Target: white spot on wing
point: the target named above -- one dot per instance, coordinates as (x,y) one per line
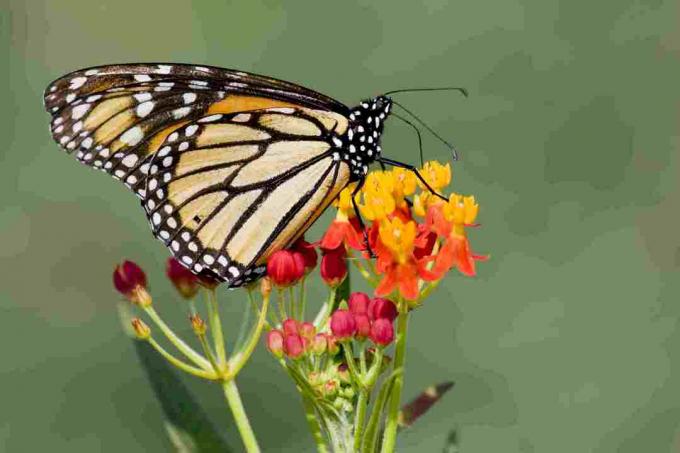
(142,78)
(144,108)
(189,97)
(132,136)
(77,82)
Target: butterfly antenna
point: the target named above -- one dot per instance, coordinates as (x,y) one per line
(429,129)
(420,138)
(461,90)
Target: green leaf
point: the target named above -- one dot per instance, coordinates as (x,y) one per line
(422,403)
(188,426)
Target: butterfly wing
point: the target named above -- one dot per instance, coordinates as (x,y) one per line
(250,157)
(230,189)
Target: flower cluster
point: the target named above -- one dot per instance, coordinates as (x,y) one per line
(295,339)
(416,235)
(365,318)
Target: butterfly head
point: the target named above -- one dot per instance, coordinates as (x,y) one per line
(366,126)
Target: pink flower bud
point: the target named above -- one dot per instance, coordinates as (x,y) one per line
(130,280)
(293,346)
(382,332)
(319,344)
(291,327)
(333,346)
(182,278)
(307,330)
(363,325)
(382,308)
(285,268)
(343,324)
(334,267)
(358,302)
(275,342)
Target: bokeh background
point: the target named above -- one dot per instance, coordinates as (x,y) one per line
(567,341)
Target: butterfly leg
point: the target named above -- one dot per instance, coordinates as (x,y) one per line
(355,192)
(412,168)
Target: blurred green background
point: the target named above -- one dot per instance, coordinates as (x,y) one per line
(565,342)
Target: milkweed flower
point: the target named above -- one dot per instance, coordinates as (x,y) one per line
(333,266)
(130,280)
(185,282)
(285,267)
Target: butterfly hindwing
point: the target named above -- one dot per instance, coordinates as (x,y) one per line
(226,191)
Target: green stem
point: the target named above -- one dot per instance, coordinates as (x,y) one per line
(392,421)
(208,352)
(245,321)
(303,298)
(371,435)
(184,348)
(314,427)
(241,357)
(349,358)
(216,327)
(242,422)
(181,365)
(362,404)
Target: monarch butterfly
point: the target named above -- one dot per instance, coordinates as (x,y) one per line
(229,166)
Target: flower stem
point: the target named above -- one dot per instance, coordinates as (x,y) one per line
(390,435)
(184,348)
(314,427)
(242,422)
(325,311)
(241,357)
(181,365)
(216,327)
(362,404)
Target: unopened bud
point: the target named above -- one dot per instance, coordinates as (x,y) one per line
(348,392)
(343,324)
(319,344)
(330,387)
(275,343)
(333,346)
(343,374)
(185,281)
(142,331)
(307,330)
(198,324)
(293,346)
(363,325)
(129,279)
(265,287)
(291,327)
(382,332)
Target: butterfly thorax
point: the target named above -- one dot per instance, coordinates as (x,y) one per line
(361,144)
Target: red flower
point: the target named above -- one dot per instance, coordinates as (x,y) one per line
(182,278)
(380,308)
(343,324)
(342,232)
(382,332)
(307,251)
(333,266)
(291,327)
(285,267)
(363,325)
(129,279)
(358,302)
(293,346)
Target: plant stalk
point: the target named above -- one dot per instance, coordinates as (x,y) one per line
(240,417)
(392,420)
